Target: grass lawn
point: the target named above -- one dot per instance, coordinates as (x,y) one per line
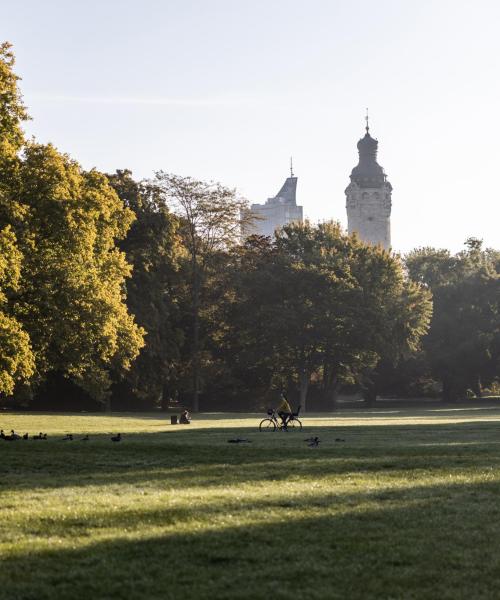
(408,506)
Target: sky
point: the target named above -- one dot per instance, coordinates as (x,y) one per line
(228,90)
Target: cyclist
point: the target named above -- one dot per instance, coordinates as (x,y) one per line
(284,410)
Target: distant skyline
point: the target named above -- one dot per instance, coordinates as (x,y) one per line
(228,90)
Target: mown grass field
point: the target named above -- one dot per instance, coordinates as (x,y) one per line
(408,506)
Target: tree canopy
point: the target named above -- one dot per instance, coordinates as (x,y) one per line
(318,303)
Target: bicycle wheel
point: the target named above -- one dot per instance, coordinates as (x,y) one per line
(267,425)
(294,424)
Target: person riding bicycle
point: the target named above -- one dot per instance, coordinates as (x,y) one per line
(284,410)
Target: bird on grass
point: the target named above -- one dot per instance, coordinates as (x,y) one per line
(69,437)
(25,436)
(7,438)
(40,436)
(86,438)
(313,442)
(117,438)
(239,441)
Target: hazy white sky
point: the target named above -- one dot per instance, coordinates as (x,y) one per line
(229,89)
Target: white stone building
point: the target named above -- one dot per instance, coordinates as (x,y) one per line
(368,197)
(278,211)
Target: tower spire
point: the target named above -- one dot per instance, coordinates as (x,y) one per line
(291,167)
(367,122)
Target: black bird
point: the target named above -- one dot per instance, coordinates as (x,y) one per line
(117,438)
(38,437)
(25,436)
(314,443)
(239,441)
(44,437)
(85,439)
(14,435)
(2,434)
(69,437)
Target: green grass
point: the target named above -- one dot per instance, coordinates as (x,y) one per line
(408,506)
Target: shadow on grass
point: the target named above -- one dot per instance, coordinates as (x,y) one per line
(438,544)
(187,458)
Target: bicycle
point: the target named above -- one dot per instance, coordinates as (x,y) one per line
(273,422)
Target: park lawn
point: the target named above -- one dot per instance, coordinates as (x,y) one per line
(407,506)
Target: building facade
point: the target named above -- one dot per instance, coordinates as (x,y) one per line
(278,211)
(369,197)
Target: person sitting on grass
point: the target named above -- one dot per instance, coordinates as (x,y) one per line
(284,410)
(185,418)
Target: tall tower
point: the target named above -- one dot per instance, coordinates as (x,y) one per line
(368,196)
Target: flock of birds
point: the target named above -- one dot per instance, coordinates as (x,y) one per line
(13,436)
(312,442)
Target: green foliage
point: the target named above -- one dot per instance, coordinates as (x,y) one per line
(212,218)
(154,291)
(16,358)
(463,345)
(71,297)
(12,110)
(317,303)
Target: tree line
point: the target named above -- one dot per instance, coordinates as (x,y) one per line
(133,294)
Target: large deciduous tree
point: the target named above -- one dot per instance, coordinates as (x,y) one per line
(317,302)
(154,292)
(16,357)
(212,219)
(72,296)
(62,276)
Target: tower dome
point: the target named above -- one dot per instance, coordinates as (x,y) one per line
(368,173)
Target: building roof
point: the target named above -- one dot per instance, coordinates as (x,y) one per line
(368,173)
(287,194)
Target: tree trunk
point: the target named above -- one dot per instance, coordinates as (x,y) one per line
(334,395)
(447,394)
(304,386)
(370,395)
(477,388)
(196,338)
(331,385)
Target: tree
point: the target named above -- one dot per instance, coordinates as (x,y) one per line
(62,276)
(463,345)
(318,303)
(16,357)
(71,294)
(154,291)
(212,221)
